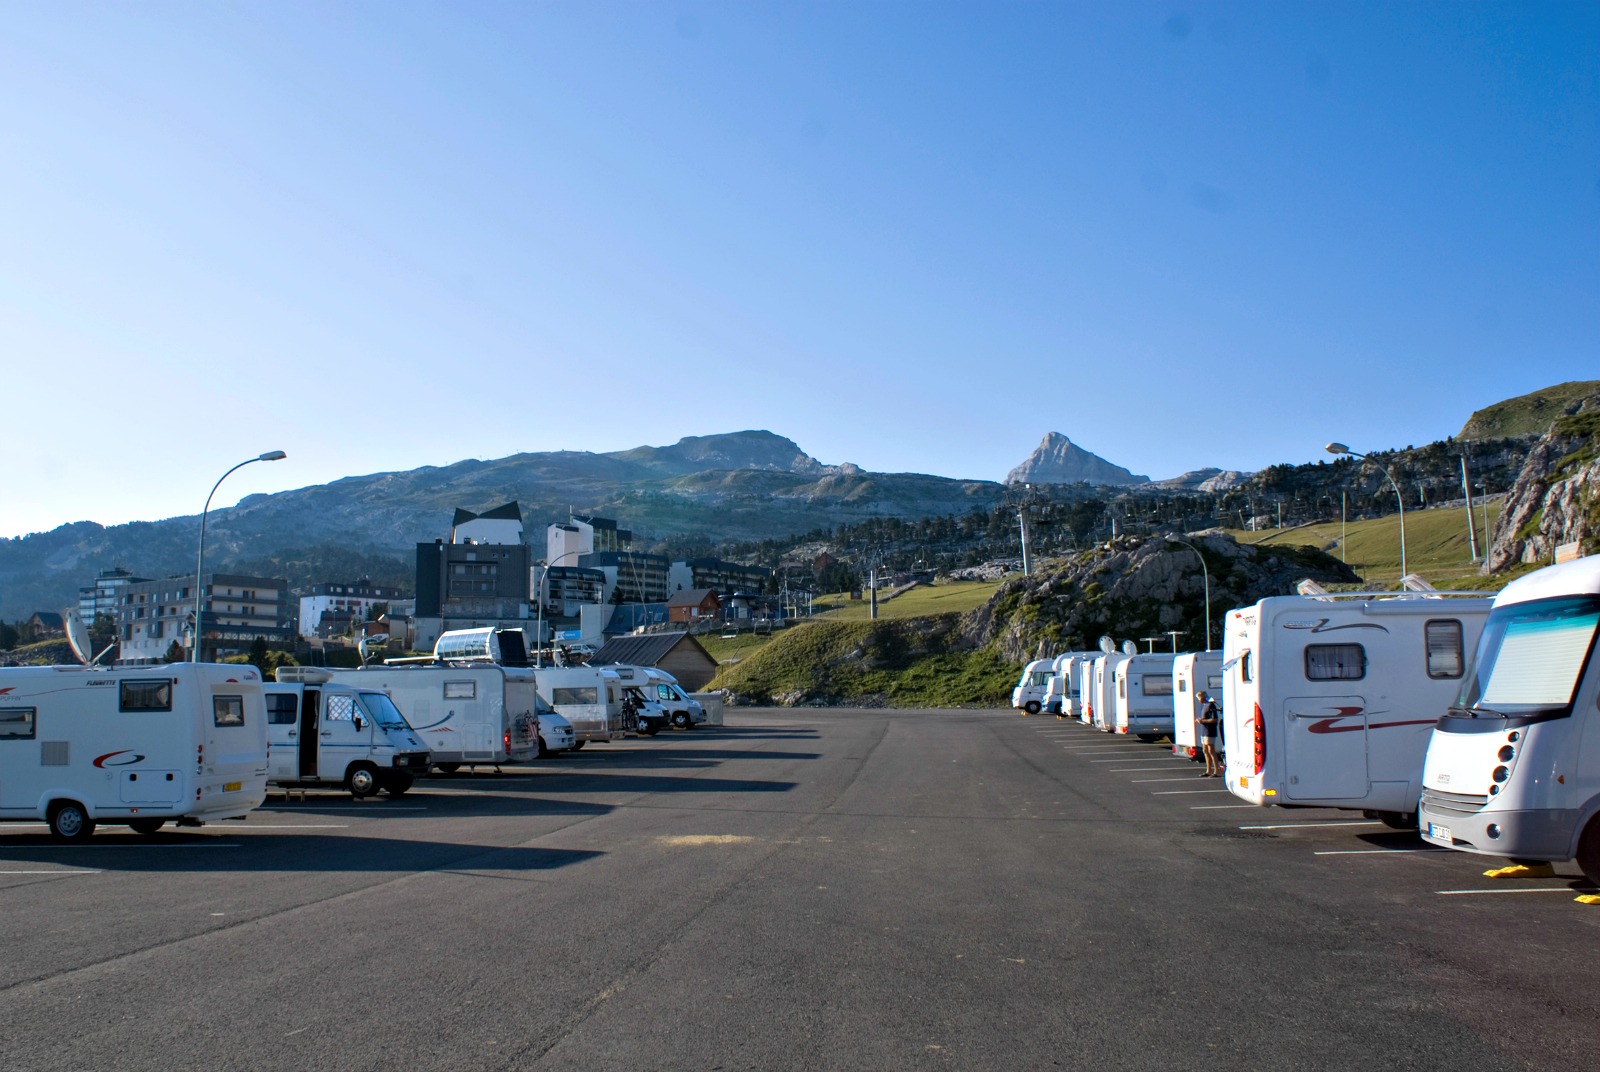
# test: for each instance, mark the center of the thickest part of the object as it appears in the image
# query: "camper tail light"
(1260, 728)
(506, 737)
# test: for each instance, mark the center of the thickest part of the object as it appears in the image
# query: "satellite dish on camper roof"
(78, 637)
(1308, 587)
(1129, 648)
(1108, 645)
(1413, 583)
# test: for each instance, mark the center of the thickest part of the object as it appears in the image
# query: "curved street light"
(1340, 448)
(1205, 576)
(200, 556)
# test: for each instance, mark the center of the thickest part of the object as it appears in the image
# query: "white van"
(134, 745)
(1327, 700)
(1100, 690)
(464, 713)
(323, 734)
(590, 697)
(555, 732)
(1193, 672)
(1142, 705)
(1513, 769)
(1028, 696)
(658, 700)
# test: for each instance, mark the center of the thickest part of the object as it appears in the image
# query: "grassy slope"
(1528, 414)
(957, 596)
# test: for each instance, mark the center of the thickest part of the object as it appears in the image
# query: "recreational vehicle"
(327, 734)
(1193, 672)
(1028, 696)
(1142, 704)
(555, 733)
(589, 697)
(1100, 691)
(1328, 699)
(658, 701)
(1057, 693)
(1070, 677)
(464, 713)
(135, 745)
(1513, 769)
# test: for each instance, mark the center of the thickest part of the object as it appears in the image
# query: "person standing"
(1208, 726)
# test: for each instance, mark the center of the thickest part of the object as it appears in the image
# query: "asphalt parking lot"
(797, 889)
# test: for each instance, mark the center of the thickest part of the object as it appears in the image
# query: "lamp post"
(200, 555)
(538, 597)
(1205, 575)
(1340, 448)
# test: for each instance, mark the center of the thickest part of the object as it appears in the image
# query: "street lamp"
(200, 556)
(1340, 448)
(1205, 575)
(538, 598)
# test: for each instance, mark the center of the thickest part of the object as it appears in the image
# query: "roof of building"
(690, 597)
(646, 650)
(49, 619)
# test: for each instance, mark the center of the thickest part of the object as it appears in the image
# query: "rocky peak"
(1058, 460)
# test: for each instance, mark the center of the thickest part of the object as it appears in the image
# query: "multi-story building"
(641, 578)
(480, 578)
(104, 595)
(725, 577)
(235, 609)
(328, 608)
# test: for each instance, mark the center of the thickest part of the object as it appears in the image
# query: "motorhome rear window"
(227, 710)
(17, 723)
(1157, 684)
(145, 695)
(1443, 639)
(570, 697)
(281, 708)
(1335, 662)
(460, 690)
(340, 707)
(1215, 681)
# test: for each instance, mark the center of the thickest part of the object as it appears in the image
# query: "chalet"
(679, 654)
(692, 604)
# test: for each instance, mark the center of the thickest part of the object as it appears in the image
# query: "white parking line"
(1218, 807)
(1312, 826)
(1145, 781)
(1123, 759)
(1134, 770)
(95, 871)
(298, 826)
(1184, 792)
(339, 807)
(1541, 889)
(1374, 852)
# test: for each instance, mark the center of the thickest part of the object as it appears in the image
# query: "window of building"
(227, 710)
(1335, 662)
(145, 695)
(281, 708)
(17, 723)
(1442, 638)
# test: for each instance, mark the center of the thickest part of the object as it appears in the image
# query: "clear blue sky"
(913, 236)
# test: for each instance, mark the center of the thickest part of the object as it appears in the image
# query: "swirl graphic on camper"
(436, 725)
(110, 760)
(1321, 626)
(1326, 725)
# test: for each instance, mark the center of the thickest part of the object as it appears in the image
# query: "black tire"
(1149, 738)
(1588, 856)
(543, 751)
(447, 768)
(146, 826)
(362, 781)
(577, 746)
(682, 720)
(1031, 707)
(1398, 820)
(398, 784)
(69, 821)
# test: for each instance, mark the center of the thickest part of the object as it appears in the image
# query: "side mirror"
(360, 722)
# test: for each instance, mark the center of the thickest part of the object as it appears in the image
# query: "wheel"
(397, 784)
(1396, 820)
(682, 720)
(1589, 851)
(577, 745)
(447, 768)
(1031, 707)
(543, 751)
(362, 781)
(146, 826)
(644, 727)
(1149, 738)
(69, 821)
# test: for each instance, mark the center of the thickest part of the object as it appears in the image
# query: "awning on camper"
(1229, 664)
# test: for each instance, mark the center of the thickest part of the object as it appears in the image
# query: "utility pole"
(1472, 530)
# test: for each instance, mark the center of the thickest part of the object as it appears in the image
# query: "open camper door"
(1326, 744)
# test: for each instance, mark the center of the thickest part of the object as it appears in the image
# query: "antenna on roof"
(1129, 648)
(78, 637)
(1108, 645)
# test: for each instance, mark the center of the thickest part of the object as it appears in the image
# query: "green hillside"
(955, 596)
(1529, 414)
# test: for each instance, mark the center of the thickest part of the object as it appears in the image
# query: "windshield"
(1531, 656)
(382, 710)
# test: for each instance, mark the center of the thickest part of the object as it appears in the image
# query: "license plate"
(1439, 833)
(232, 787)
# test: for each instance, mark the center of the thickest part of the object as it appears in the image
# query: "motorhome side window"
(460, 690)
(1157, 685)
(572, 697)
(280, 709)
(17, 723)
(340, 707)
(1335, 662)
(1183, 686)
(227, 710)
(1445, 657)
(1244, 668)
(145, 695)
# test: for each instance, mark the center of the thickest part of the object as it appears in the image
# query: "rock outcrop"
(1058, 460)
(1556, 497)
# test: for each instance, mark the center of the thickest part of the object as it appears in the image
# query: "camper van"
(1028, 696)
(135, 745)
(589, 697)
(658, 700)
(325, 734)
(1057, 692)
(464, 713)
(1142, 704)
(1513, 769)
(1193, 672)
(1327, 700)
(1100, 690)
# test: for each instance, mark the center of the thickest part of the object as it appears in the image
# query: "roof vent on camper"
(302, 675)
(1307, 587)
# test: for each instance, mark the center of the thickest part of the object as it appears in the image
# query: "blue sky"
(913, 236)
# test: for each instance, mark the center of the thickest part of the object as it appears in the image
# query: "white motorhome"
(1057, 692)
(1071, 687)
(590, 697)
(1142, 705)
(1100, 690)
(658, 700)
(323, 733)
(1327, 700)
(135, 745)
(1028, 696)
(464, 713)
(1193, 672)
(1513, 769)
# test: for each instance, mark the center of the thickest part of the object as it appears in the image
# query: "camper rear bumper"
(1539, 834)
